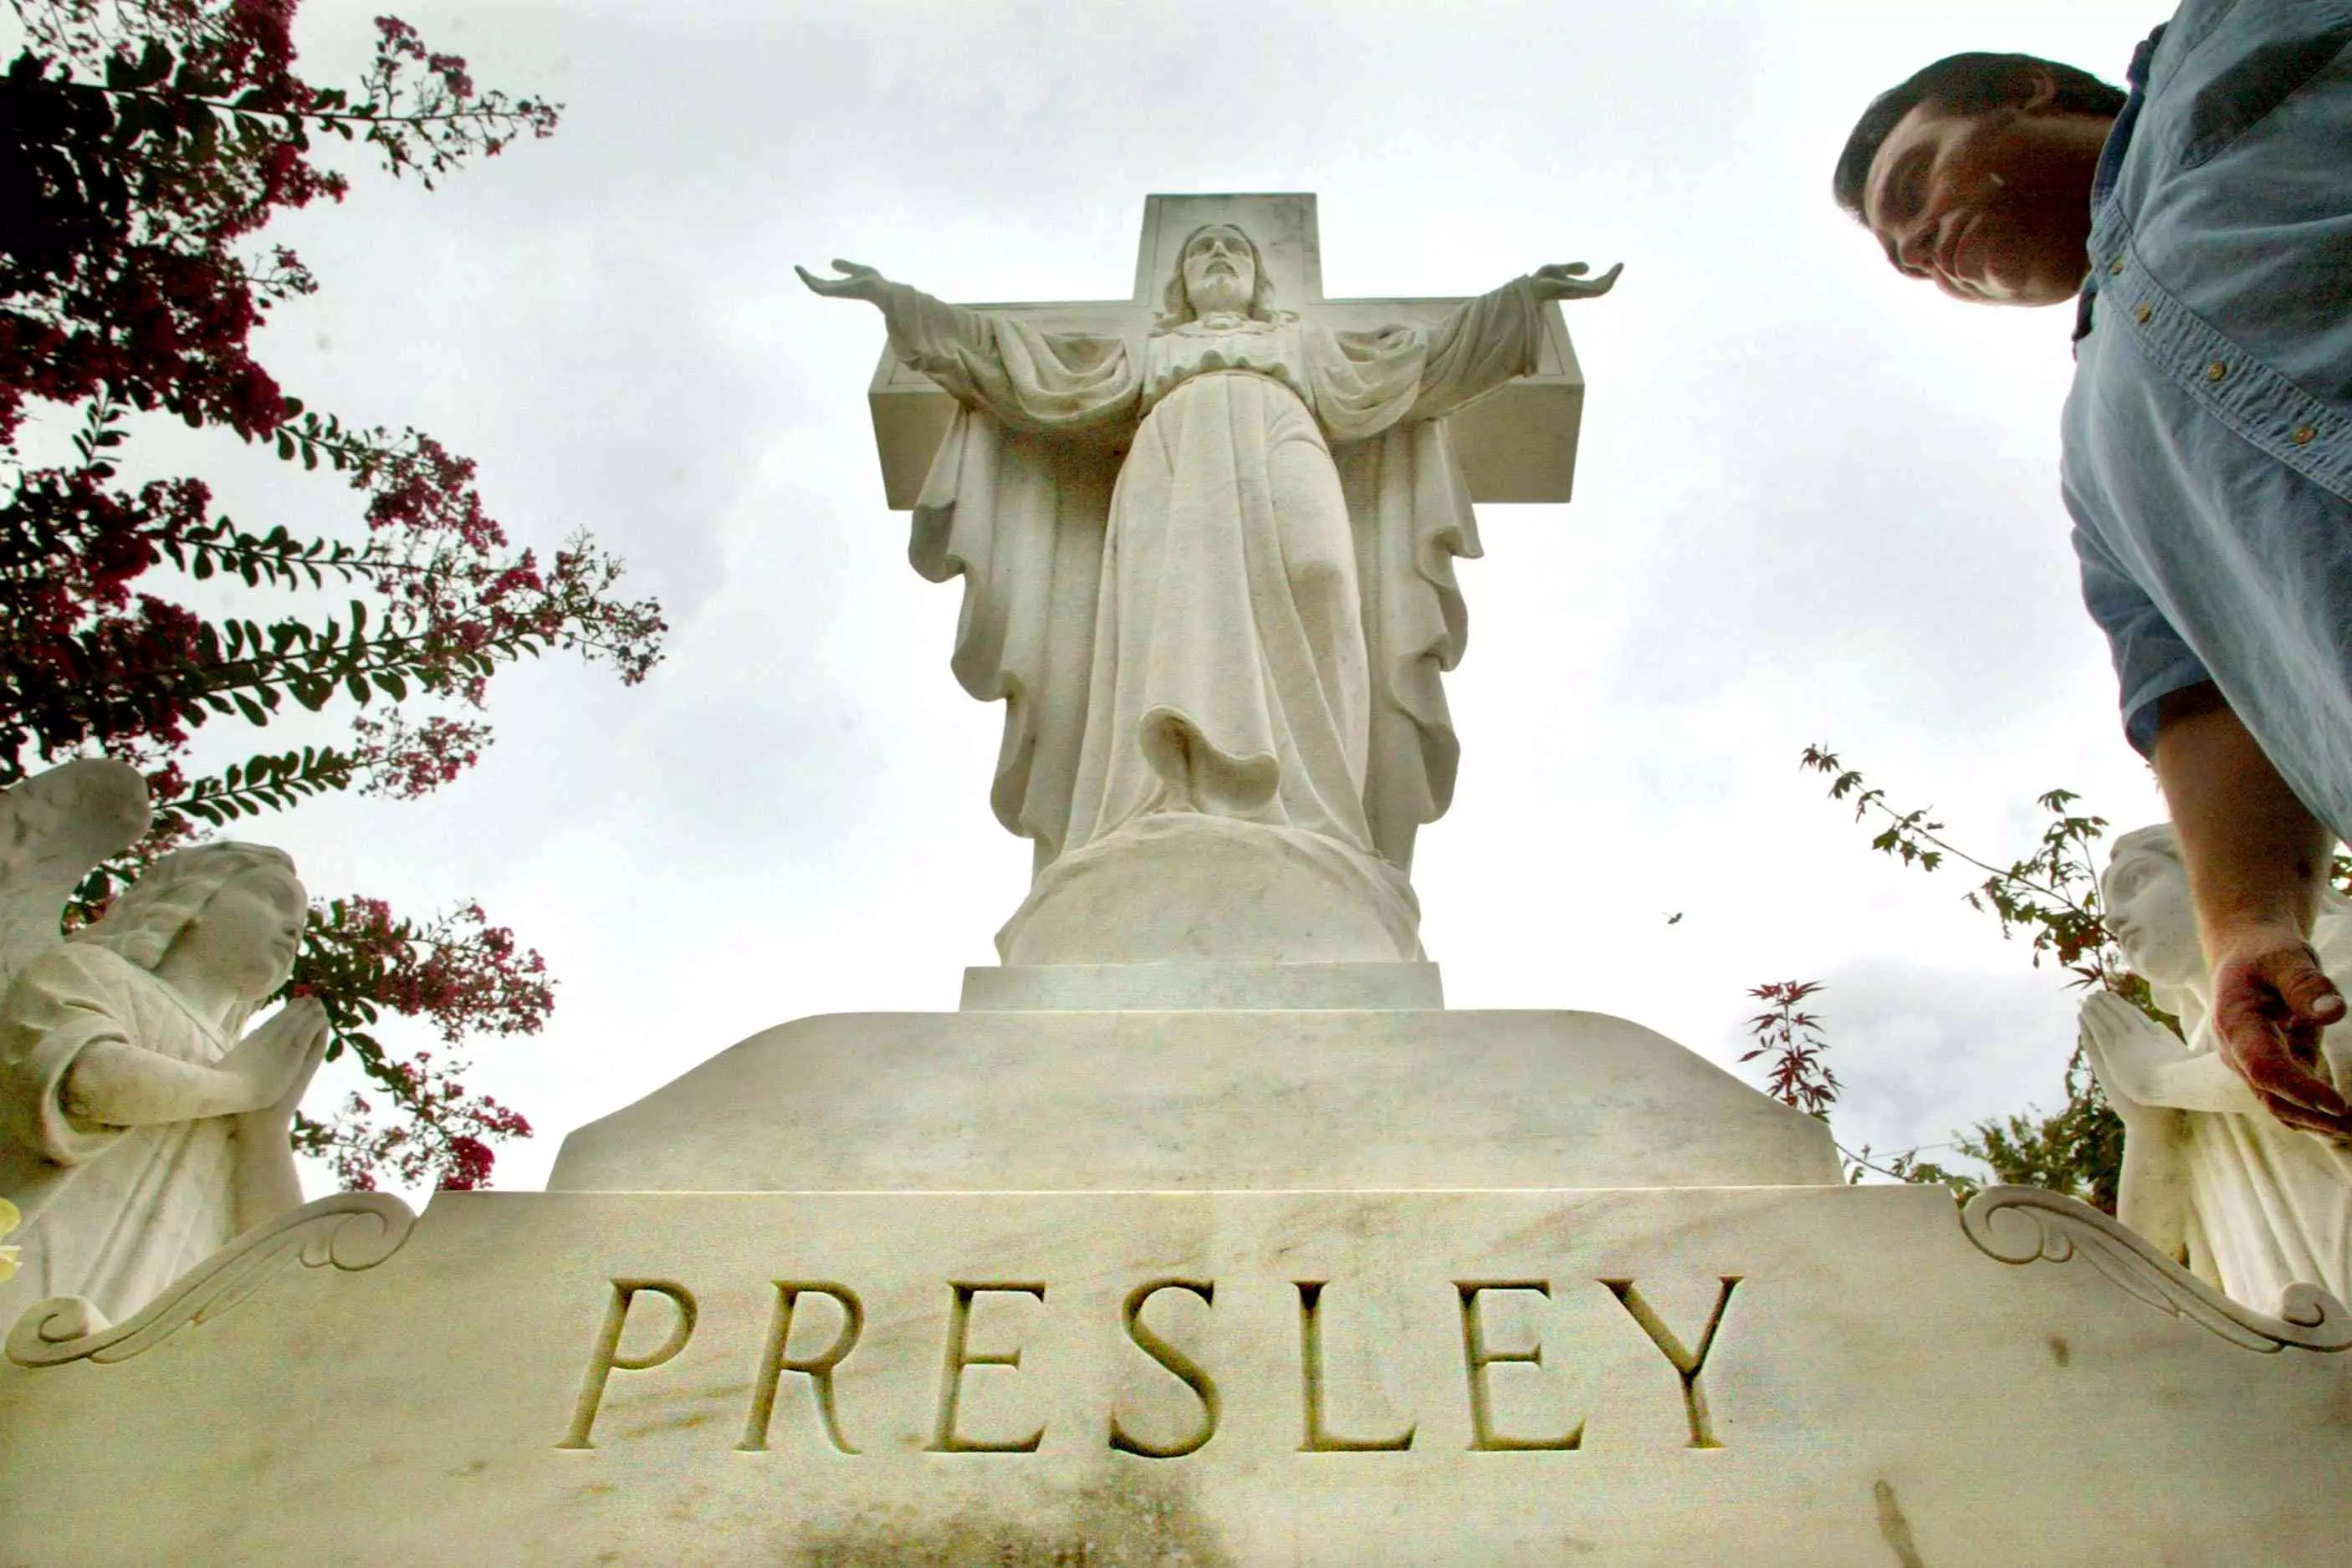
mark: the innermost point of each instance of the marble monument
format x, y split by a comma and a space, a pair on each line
1204, 1233
1207, 542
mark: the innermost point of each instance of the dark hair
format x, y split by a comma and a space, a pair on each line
1962, 84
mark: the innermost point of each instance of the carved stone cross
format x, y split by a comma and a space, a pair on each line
1516, 444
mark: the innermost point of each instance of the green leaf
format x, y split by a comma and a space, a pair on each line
153, 65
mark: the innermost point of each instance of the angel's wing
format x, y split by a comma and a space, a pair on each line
54, 827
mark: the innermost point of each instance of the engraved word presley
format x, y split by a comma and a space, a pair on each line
670, 1309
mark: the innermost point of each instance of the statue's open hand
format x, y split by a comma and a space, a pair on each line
2270, 1003
1560, 281
275, 1061
858, 282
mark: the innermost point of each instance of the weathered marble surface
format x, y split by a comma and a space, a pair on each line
1880, 1393
1115, 1101
1123, 988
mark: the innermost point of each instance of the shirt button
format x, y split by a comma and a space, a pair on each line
2143, 312
2305, 435
2216, 371
2116, 267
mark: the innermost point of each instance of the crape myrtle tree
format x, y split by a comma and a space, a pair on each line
144, 145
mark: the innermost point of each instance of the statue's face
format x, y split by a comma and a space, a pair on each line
246, 933
1218, 275
2148, 910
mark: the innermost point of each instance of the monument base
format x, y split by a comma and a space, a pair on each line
1113, 1101
1782, 1378
1161, 987
1183, 887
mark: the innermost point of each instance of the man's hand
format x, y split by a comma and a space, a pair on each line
2257, 859
2270, 1003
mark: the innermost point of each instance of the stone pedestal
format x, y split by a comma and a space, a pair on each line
1201, 1287
1183, 886
1142, 1100
1782, 1377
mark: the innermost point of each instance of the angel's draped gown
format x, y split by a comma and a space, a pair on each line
111, 1213
2269, 1205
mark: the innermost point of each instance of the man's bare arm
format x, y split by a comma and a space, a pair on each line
2256, 861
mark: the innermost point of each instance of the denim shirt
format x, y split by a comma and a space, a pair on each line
2208, 438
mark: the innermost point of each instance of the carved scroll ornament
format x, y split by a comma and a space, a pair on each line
2027, 1225
350, 1230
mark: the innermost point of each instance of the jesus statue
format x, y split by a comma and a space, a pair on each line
1208, 569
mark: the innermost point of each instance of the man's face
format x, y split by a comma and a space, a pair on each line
1985, 205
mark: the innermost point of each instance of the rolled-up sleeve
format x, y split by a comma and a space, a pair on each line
2151, 660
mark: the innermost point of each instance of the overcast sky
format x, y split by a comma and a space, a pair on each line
1815, 502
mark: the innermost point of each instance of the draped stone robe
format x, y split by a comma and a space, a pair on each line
2267, 1205
111, 1213
1209, 569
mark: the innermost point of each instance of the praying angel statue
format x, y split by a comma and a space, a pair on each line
141, 1126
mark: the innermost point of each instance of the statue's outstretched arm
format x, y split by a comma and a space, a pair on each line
947, 342
858, 281
920, 327
1567, 280
1057, 382
1494, 337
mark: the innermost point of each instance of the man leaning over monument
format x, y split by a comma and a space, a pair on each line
2204, 227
